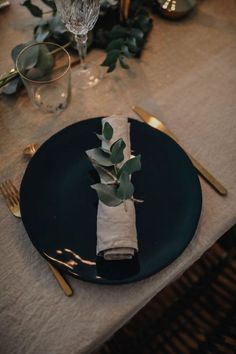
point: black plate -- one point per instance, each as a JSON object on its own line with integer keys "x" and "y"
{"x": 59, "y": 207}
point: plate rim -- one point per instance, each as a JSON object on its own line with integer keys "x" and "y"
{"x": 103, "y": 281}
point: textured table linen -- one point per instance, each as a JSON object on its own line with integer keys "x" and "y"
{"x": 186, "y": 76}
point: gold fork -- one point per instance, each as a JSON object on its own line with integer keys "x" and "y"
{"x": 11, "y": 196}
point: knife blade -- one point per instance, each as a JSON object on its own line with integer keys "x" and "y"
{"x": 157, "y": 124}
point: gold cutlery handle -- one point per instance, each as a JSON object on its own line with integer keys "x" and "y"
{"x": 157, "y": 124}
{"x": 208, "y": 177}
{"x": 62, "y": 282}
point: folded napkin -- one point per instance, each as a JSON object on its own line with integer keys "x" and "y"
{"x": 116, "y": 227}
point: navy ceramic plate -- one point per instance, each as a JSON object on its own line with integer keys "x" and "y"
{"x": 59, "y": 207}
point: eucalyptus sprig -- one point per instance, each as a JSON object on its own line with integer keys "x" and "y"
{"x": 120, "y": 39}
{"x": 127, "y": 39}
{"x": 115, "y": 185}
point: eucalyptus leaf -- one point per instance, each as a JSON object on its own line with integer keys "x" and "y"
{"x": 144, "y": 21}
{"x": 115, "y": 44}
{"x": 56, "y": 26}
{"x": 131, "y": 166}
{"x": 107, "y": 131}
{"x": 105, "y": 174}
{"x": 111, "y": 58}
{"x": 123, "y": 63}
{"x": 117, "y": 151}
{"x": 30, "y": 58}
{"x": 111, "y": 67}
{"x": 126, "y": 188}
{"x": 17, "y": 49}
{"x": 107, "y": 194}
{"x": 34, "y": 10}
{"x": 137, "y": 33}
{"x": 126, "y": 52}
{"x": 132, "y": 44}
{"x": 45, "y": 60}
{"x": 13, "y": 86}
{"x": 51, "y": 4}
{"x": 41, "y": 33}
{"x": 99, "y": 156}
{"x": 118, "y": 31}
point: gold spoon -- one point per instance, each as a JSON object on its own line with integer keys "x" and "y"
{"x": 30, "y": 150}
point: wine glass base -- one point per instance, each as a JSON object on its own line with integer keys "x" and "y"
{"x": 87, "y": 76}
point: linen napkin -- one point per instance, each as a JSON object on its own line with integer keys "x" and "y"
{"x": 116, "y": 227}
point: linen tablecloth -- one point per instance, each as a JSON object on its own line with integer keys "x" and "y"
{"x": 186, "y": 76}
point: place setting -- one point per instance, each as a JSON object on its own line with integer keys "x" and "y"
{"x": 108, "y": 200}
{"x": 117, "y": 188}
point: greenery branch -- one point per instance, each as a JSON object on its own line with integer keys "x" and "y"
{"x": 115, "y": 185}
{"x": 121, "y": 40}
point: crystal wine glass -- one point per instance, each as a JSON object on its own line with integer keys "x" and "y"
{"x": 79, "y": 17}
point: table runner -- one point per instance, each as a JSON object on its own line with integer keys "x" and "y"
{"x": 186, "y": 76}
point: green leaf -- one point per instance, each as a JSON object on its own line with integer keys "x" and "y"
{"x": 118, "y": 31}
{"x": 45, "y": 60}
{"x": 111, "y": 58}
{"x": 105, "y": 174}
{"x": 56, "y": 26}
{"x": 137, "y": 33}
{"x": 117, "y": 151}
{"x": 123, "y": 63}
{"x": 131, "y": 166}
{"x": 132, "y": 44}
{"x": 111, "y": 68}
{"x": 30, "y": 57}
{"x": 13, "y": 86}
{"x": 99, "y": 156}
{"x": 51, "y": 4}
{"x": 43, "y": 66}
{"x": 126, "y": 52}
{"x": 107, "y": 131}
{"x": 115, "y": 44}
{"x": 41, "y": 33}
{"x": 107, "y": 194}
{"x": 144, "y": 21}
{"x": 126, "y": 188}
{"x": 17, "y": 49}
{"x": 34, "y": 10}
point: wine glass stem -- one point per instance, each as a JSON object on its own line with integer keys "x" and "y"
{"x": 81, "y": 41}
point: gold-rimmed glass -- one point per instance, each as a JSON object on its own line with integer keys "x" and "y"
{"x": 45, "y": 71}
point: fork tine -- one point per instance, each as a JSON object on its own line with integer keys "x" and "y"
{"x": 8, "y": 194}
{"x": 14, "y": 200}
{"x": 4, "y": 190}
{"x": 13, "y": 189}
{"x": 5, "y": 195}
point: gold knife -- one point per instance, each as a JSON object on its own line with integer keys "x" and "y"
{"x": 61, "y": 280}
{"x": 155, "y": 123}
